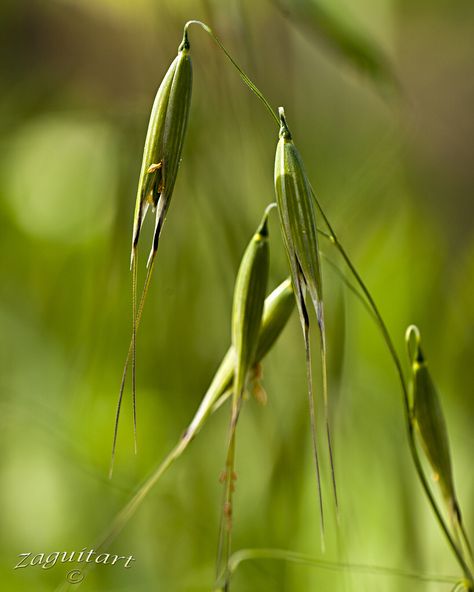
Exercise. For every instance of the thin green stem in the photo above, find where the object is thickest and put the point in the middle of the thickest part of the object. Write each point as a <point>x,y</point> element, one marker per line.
<point>225,531</point>
<point>465,538</point>
<point>134,351</point>
<point>253,87</point>
<point>349,286</point>
<point>283,555</point>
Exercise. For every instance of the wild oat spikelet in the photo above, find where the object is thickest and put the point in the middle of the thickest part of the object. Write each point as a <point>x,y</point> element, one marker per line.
<point>161,158</point>
<point>164,144</point>
<point>249,297</point>
<point>429,421</point>
<point>297,215</point>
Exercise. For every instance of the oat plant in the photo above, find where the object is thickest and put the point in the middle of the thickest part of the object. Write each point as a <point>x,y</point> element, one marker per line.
<point>308,215</point>
<point>255,328</point>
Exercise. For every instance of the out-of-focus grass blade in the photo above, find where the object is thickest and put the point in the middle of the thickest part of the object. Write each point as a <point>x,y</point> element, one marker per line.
<point>354,46</point>
<point>291,556</point>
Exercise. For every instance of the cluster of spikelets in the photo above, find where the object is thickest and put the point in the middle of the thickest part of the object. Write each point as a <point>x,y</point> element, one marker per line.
<point>256,321</point>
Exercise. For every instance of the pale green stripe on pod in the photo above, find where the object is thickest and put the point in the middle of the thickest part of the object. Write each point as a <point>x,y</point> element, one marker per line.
<point>429,420</point>
<point>164,143</point>
<point>249,296</point>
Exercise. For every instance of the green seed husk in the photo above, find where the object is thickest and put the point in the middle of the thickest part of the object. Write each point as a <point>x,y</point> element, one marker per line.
<point>429,421</point>
<point>247,311</point>
<point>164,144</point>
<point>249,297</point>
<point>430,425</point>
<point>300,236</point>
<point>298,216</point>
<point>161,157</point>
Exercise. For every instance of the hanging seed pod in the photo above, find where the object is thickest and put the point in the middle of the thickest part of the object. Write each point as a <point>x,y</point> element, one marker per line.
<point>163,145</point>
<point>249,297</point>
<point>430,425</point>
<point>429,421</point>
<point>247,310</point>
<point>298,217</point>
<point>299,230</point>
<point>161,158</point>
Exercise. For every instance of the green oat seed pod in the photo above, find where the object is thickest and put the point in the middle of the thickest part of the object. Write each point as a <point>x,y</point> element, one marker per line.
<point>163,145</point>
<point>160,163</point>
<point>429,421</point>
<point>297,215</point>
<point>247,310</point>
<point>276,311</point>
<point>249,296</point>
<point>430,425</point>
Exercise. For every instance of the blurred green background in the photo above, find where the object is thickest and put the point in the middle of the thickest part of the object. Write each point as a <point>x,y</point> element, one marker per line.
<point>392,164</point>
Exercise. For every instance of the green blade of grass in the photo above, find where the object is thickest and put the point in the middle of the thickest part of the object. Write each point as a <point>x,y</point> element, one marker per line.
<point>356,48</point>
<point>284,555</point>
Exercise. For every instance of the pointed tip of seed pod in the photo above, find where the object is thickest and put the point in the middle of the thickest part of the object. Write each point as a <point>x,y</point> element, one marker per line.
<point>184,45</point>
<point>284,130</point>
<point>263,228</point>
<point>416,355</point>
<point>420,358</point>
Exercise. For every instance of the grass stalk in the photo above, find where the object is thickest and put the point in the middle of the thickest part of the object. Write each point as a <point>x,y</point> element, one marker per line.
<point>134,350</point>
<point>225,528</point>
<point>243,555</point>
